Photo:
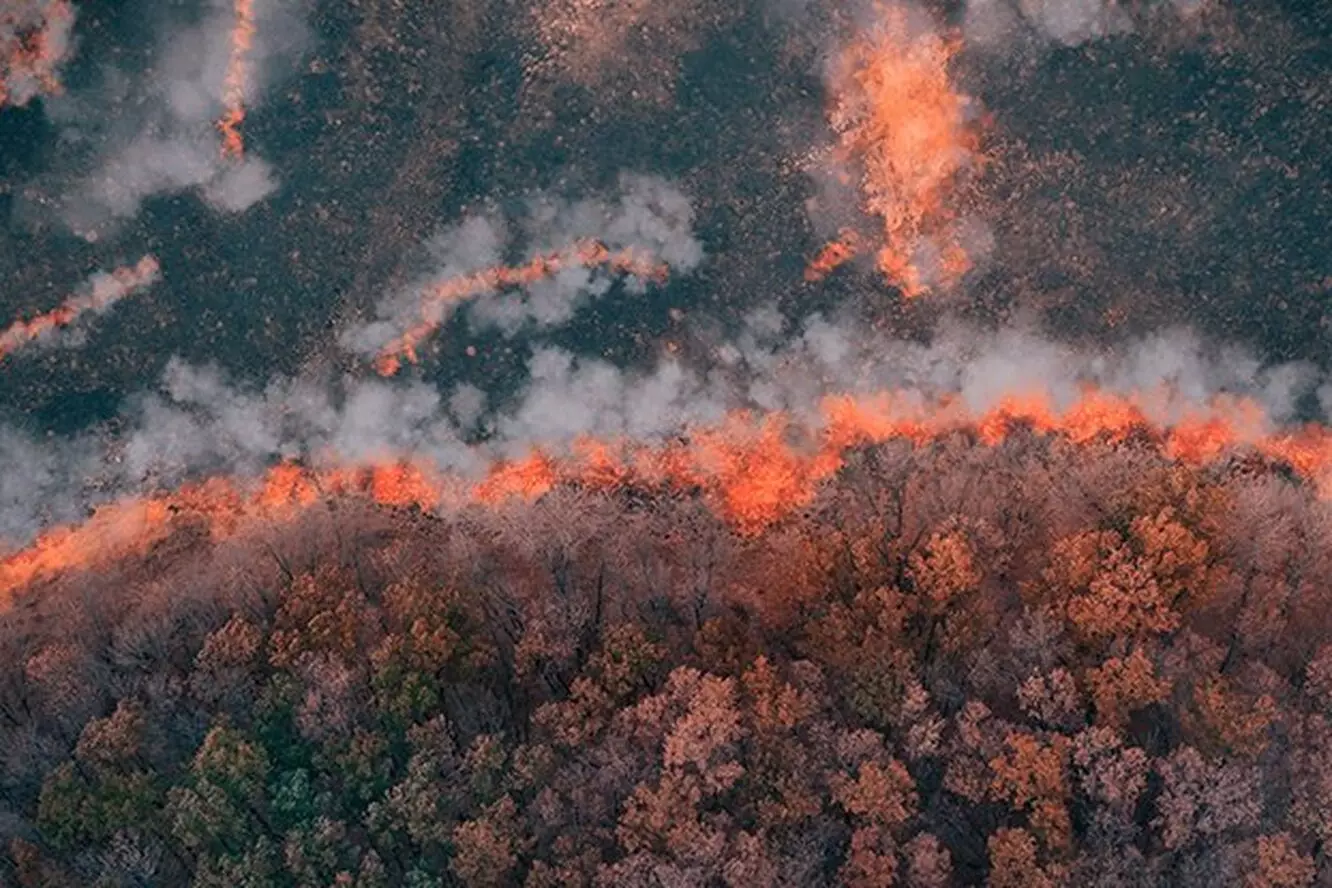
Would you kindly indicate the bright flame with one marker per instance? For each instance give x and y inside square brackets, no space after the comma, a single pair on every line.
[435,299]
[753,470]
[105,292]
[237,78]
[898,115]
[834,254]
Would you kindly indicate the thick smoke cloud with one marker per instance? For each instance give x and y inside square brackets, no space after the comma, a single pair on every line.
[197,422]
[791,370]
[567,397]
[154,132]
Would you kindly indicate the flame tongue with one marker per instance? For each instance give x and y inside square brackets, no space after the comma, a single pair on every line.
[752,469]
[236,82]
[900,120]
[435,299]
[103,293]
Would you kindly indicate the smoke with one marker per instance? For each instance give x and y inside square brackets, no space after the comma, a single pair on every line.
[1004,24]
[567,398]
[38,486]
[240,185]
[36,38]
[155,132]
[649,215]
[63,325]
[824,356]
[197,422]
[576,251]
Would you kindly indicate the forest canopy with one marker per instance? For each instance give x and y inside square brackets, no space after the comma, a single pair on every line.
[1024,664]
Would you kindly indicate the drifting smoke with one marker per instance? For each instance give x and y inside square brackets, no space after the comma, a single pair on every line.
[582,247]
[912,139]
[756,430]
[1003,23]
[174,127]
[35,40]
[59,325]
[586,257]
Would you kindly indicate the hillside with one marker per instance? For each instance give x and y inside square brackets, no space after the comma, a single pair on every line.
[1035,663]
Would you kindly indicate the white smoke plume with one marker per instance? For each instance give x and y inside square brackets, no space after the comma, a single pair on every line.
[64,325]
[155,131]
[647,215]
[1003,24]
[197,422]
[477,242]
[789,370]
[567,397]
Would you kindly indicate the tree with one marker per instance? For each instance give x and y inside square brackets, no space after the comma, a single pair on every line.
[106,788]
[1052,699]
[221,808]
[864,646]
[321,611]
[882,794]
[1201,800]
[1033,776]
[871,861]
[1013,862]
[225,675]
[1227,723]
[945,573]
[1280,864]
[486,848]
[1122,685]
[1108,772]
[929,865]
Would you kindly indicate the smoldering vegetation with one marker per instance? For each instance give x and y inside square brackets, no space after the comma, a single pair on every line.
[1032,663]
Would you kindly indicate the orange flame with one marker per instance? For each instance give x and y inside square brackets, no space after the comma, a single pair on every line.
[104,293]
[897,113]
[30,52]
[237,77]
[588,253]
[753,470]
[833,255]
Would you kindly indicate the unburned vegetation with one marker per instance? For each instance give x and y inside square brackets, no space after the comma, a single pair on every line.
[1031,664]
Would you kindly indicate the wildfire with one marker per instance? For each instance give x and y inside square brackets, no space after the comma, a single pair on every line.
[899,118]
[105,291]
[753,469]
[34,41]
[236,81]
[834,254]
[435,299]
